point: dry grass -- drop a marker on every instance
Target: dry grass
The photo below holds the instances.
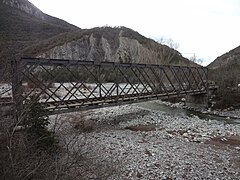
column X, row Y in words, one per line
column 80, row 122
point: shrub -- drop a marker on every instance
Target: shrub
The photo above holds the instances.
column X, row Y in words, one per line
column 36, row 122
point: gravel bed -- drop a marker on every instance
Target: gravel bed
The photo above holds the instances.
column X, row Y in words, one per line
column 178, row 147
column 233, row 113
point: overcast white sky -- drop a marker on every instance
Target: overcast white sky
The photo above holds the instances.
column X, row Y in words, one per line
column 208, row 28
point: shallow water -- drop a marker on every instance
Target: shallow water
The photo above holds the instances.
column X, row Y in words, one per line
column 153, row 105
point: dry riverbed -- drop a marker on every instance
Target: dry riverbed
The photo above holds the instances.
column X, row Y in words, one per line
column 136, row 142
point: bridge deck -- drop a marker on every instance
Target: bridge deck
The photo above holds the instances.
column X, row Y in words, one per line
column 93, row 103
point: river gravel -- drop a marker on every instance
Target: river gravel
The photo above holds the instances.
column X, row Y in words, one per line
column 233, row 113
column 135, row 142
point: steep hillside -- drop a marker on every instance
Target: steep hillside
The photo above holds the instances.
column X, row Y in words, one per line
column 22, row 25
column 19, row 25
column 231, row 57
column 27, row 31
column 119, row 44
column 225, row 71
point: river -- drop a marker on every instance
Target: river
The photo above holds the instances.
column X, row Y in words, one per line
column 159, row 106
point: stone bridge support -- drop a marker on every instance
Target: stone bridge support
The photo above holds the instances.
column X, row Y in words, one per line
column 202, row 100
column 197, row 101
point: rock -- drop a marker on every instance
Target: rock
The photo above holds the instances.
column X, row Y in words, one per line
column 26, row 7
column 148, row 152
column 185, row 135
column 224, row 139
column 237, row 148
column 139, row 175
column 164, row 153
column 183, row 99
column 98, row 45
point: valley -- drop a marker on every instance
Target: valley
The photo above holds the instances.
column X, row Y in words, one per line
column 147, row 140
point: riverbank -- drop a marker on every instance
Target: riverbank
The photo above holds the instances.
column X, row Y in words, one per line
column 226, row 113
column 139, row 142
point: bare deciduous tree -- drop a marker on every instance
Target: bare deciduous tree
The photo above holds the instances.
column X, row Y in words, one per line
column 195, row 59
column 167, row 50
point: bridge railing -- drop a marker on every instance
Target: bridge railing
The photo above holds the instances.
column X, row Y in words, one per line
column 71, row 85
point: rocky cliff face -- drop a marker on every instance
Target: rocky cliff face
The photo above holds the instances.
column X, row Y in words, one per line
column 25, row 6
column 88, row 48
column 115, row 45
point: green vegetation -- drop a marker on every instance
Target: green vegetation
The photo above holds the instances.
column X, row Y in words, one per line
column 28, row 148
column 36, row 122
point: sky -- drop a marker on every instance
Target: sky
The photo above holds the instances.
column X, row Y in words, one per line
column 204, row 28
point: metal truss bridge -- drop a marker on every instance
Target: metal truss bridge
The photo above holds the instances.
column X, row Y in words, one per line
column 71, row 85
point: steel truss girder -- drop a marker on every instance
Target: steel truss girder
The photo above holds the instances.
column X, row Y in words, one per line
column 71, row 85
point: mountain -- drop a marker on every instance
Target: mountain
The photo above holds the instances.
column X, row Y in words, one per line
column 22, row 24
column 22, row 21
column 118, row 44
column 229, row 58
column 27, row 31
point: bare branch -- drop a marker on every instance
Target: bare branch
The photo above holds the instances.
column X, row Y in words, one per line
column 167, row 50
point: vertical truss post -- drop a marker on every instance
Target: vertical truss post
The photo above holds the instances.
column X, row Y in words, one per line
column 15, row 79
column 99, row 80
column 117, row 81
column 16, row 87
column 207, row 85
column 160, row 79
column 206, row 76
